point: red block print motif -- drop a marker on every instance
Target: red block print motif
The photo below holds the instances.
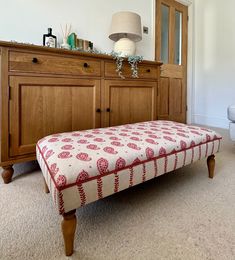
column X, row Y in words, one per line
column 208, row 138
column 183, row 144
column 192, row 155
column 183, row 135
column 83, row 157
column 61, row 203
column 64, row 155
column 144, row 173
column 93, row 147
column 133, row 146
column 123, row 134
column 162, row 151
column 100, row 140
column 88, row 136
column 82, row 176
column 117, row 143
column 148, row 132
column 102, row 165
column 150, row 141
column 114, row 138
column 176, row 161
column 192, row 144
column 182, row 131
column 82, row 195
column 108, row 133
column 116, row 182
column 131, row 176
column 135, row 138
column 136, row 161
column 120, row 164
column 82, row 141
column 76, row 134
column 155, row 168
column 110, row 150
column 167, row 133
column 195, row 132
column 52, row 140
column 149, row 153
column 49, row 153
column 154, row 136
column 67, row 140
column 44, row 149
column 61, row 181
column 136, row 133
column 67, row 147
column 100, row 188
column 53, row 169
column 168, row 138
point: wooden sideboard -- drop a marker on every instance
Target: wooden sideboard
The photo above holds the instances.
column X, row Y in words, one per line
column 46, row 91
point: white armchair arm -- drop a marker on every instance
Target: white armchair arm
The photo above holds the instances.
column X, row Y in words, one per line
column 231, row 117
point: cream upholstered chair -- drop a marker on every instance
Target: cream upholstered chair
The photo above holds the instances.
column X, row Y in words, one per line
column 231, row 117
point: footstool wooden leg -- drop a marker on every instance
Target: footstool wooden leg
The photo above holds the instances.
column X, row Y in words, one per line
column 7, row 173
column 68, row 228
column 211, row 165
column 46, row 187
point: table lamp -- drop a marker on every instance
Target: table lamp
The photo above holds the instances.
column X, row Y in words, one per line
column 125, row 31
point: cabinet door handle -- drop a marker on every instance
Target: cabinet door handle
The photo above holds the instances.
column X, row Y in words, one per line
column 148, row 70
column 108, row 109
column 85, row 65
column 34, row 60
column 98, row 110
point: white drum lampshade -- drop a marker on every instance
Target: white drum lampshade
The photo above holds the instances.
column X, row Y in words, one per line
column 125, row 31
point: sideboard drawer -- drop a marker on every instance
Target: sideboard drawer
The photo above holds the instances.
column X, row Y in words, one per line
column 39, row 63
column 144, row 71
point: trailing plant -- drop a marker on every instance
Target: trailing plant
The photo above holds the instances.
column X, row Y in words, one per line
column 132, row 60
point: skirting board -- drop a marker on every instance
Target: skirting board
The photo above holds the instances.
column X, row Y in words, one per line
column 211, row 121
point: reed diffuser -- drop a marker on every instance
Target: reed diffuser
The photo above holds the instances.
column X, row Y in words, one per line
column 65, row 34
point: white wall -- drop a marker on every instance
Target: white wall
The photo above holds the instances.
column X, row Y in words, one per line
column 27, row 20
column 214, row 79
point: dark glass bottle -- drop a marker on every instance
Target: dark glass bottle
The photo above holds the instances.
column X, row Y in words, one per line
column 49, row 39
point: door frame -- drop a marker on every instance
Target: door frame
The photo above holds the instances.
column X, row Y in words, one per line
column 190, row 56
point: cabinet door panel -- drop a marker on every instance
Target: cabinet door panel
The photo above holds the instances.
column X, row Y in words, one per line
column 43, row 106
column 130, row 102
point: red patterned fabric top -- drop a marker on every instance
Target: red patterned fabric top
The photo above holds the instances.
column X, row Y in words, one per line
column 77, row 157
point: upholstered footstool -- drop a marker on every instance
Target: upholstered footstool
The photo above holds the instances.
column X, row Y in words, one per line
column 84, row 166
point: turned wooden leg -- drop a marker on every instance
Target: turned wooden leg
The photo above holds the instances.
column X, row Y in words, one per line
column 46, row 187
column 7, row 173
column 68, row 229
column 211, row 165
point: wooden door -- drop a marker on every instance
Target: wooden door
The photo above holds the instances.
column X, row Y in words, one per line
column 43, row 106
column 171, row 48
column 129, row 102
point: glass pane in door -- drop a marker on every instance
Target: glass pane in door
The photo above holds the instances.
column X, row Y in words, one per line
column 165, row 34
column 178, row 38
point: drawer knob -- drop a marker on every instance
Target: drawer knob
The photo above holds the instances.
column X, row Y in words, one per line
column 35, row 60
column 85, row 65
column 108, row 109
column 98, row 110
column 148, row 70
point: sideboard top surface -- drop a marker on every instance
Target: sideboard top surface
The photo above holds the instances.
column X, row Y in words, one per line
column 32, row 47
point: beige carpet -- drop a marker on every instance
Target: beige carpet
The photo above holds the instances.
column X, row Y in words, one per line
column 181, row 215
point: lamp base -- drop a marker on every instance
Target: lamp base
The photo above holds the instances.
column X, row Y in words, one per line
column 125, row 47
